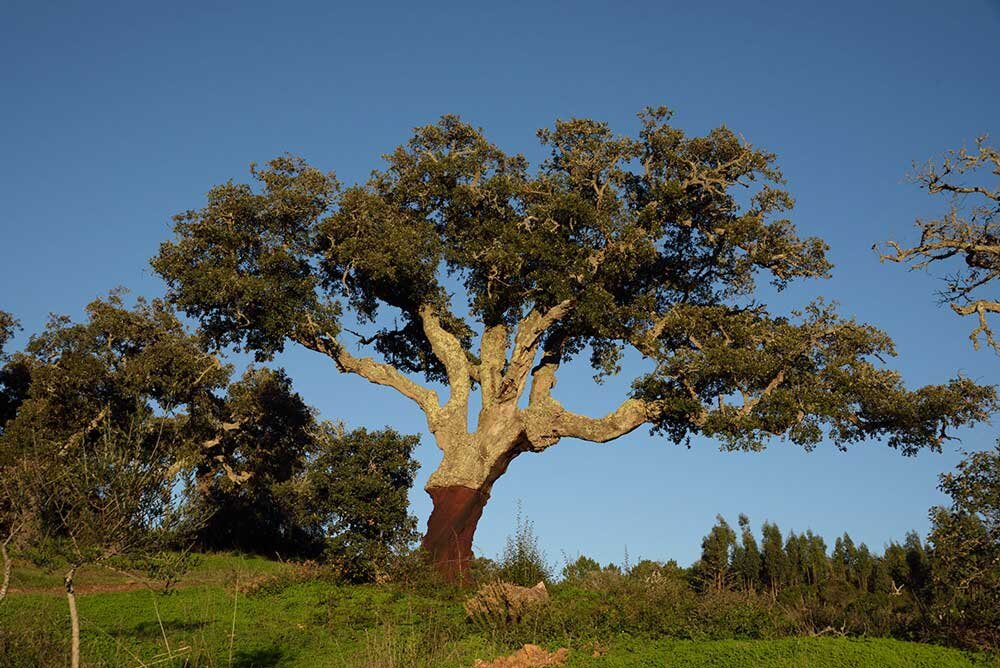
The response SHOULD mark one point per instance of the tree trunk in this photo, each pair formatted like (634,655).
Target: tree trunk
(74,619)
(450,529)
(7,566)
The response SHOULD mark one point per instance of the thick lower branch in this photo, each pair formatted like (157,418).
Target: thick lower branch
(549,422)
(374,372)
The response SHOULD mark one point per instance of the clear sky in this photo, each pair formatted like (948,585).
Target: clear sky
(117,115)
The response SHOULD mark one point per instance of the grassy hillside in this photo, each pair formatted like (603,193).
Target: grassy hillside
(245,612)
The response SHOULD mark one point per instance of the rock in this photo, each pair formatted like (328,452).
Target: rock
(529,656)
(502,602)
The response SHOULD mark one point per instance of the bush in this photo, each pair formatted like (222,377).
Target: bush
(523,562)
(579,570)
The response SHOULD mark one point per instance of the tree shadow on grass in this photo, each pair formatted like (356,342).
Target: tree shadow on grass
(152,629)
(267,657)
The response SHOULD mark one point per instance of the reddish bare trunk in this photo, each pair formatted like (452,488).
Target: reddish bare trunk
(451,526)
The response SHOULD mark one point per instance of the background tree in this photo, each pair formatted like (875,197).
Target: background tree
(747,558)
(247,445)
(8,384)
(268,433)
(652,243)
(717,552)
(773,560)
(10,522)
(968,231)
(353,495)
(962,570)
(965,560)
(118,366)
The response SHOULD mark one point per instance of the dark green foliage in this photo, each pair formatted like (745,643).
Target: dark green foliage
(8,325)
(10,389)
(654,242)
(801,376)
(353,493)
(239,472)
(580,569)
(264,474)
(119,366)
(965,560)
(245,258)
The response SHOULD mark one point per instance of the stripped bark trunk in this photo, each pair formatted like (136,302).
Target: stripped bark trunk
(459,490)
(451,528)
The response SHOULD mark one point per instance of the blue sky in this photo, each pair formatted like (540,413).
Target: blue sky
(115,116)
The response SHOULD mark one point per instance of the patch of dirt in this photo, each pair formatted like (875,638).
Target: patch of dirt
(529,656)
(82,589)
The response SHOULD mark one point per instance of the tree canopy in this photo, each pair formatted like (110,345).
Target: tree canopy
(495,274)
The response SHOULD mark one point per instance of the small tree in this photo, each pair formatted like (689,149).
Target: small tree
(717,556)
(774,563)
(747,558)
(101,498)
(353,493)
(523,562)
(577,571)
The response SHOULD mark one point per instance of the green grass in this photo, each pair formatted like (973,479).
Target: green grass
(783,653)
(211,569)
(314,623)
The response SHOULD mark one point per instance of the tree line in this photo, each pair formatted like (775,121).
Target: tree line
(943,588)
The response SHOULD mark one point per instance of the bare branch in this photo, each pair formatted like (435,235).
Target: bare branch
(980,308)
(375,372)
(970,230)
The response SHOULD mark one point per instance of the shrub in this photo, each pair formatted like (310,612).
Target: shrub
(580,569)
(523,562)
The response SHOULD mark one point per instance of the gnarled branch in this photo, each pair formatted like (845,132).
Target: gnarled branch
(372,371)
(526,341)
(449,350)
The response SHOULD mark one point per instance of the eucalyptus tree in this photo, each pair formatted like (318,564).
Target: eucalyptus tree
(496,275)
